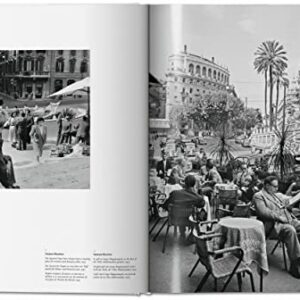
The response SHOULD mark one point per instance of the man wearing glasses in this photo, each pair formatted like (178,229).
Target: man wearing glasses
(273,209)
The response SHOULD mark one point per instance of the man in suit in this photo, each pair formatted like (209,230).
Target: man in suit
(272,208)
(186,197)
(162,166)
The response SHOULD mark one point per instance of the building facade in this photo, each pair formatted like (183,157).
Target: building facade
(190,77)
(35,74)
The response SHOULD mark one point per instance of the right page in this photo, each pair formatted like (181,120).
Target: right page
(224,94)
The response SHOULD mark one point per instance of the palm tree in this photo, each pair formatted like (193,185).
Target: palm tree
(261,66)
(270,56)
(279,77)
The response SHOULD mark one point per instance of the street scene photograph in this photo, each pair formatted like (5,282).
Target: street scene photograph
(45,119)
(224,148)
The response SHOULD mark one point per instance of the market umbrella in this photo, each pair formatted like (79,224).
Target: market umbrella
(81,85)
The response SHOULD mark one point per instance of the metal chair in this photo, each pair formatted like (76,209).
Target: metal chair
(156,198)
(178,216)
(223,263)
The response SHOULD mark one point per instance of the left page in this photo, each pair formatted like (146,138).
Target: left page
(74,97)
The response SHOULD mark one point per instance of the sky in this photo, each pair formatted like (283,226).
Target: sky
(231,34)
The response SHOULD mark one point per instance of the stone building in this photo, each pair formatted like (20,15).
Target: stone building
(190,77)
(35,74)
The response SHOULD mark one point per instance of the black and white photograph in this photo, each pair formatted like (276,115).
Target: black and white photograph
(224,148)
(45,119)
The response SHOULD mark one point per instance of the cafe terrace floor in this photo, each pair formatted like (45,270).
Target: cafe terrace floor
(169,271)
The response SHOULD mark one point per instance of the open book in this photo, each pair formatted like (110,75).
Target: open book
(88,94)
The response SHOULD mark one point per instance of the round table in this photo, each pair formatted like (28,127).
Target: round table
(249,234)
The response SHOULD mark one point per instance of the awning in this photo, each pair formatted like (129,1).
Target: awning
(82,85)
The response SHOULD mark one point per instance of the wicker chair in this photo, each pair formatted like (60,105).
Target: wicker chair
(223,263)
(178,216)
(226,198)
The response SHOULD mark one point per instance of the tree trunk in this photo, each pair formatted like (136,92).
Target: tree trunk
(277,101)
(266,96)
(283,129)
(271,96)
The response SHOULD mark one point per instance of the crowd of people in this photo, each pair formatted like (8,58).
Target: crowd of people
(187,182)
(24,129)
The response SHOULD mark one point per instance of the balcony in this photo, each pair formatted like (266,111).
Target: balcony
(30,74)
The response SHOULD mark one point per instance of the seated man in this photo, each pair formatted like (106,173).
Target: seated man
(271,208)
(243,174)
(7,174)
(186,197)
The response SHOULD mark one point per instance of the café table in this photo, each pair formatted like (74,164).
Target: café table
(249,234)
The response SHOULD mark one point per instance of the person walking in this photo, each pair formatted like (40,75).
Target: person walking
(22,132)
(12,129)
(38,136)
(29,124)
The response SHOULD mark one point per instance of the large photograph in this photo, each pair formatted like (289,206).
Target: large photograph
(45,119)
(224,103)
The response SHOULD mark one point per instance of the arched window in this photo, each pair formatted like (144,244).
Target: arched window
(191,68)
(204,71)
(215,74)
(60,65)
(219,76)
(70,81)
(198,70)
(209,73)
(72,63)
(222,77)
(58,85)
(72,52)
(83,67)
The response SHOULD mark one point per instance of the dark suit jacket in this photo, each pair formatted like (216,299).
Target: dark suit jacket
(186,198)
(161,170)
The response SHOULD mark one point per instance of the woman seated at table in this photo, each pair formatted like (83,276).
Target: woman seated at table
(180,167)
(173,183)
(247,189)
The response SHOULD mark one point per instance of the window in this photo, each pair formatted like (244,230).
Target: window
(20,63)
(85,53)
(209,73)
(204,71)
(60,52)
(39,65)
(58,85)
(183,90)
(39,90)
(191,68)
(191,90)
(73,52)
(183,80)
(83,67)
(28,65)
(72,63)
(59,67)
(215,74)
(70,81)
(198,70)
(219,76)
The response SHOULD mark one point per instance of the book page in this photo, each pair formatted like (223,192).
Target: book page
(74,104)
(224,85)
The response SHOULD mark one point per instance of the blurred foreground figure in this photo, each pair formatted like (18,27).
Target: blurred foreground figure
(7,174)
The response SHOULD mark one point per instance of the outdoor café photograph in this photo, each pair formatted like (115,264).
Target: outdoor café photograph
(224,149)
